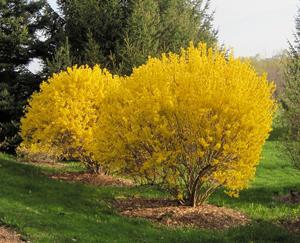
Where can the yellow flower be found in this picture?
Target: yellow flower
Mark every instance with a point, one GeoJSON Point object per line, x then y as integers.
{"type": "Point", "coordinates": [172, 117]}
{"type": "Point", "coordinates": [217, 146]}
{"type": "Point", "coordinates": [58, 119]}
{"type": "Point", "coordinates": [216, 103]}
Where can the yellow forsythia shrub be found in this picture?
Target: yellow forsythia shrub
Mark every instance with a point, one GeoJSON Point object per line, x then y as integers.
{"type": "Point", "coordinates": [59, 119]}
{"type": "Point", "coordinates": [191, 122]}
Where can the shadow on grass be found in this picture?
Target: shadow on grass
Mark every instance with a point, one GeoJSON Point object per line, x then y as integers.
{"type": "Point", "coordinates": [262, 196]}
{"type": "Point", "coordinates": [277, 133]}
{"type": "Point", "coordinates": [52, 211]}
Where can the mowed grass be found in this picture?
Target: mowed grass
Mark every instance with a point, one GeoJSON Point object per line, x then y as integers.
{"type": "Point", "coordinates": [45, 210]}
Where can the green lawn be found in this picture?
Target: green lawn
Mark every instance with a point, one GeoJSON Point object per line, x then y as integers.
{"type": "Point", "coordinates": [45, 210]}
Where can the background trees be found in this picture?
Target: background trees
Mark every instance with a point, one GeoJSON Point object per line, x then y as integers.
{"type": "Point", "coordinates": [291, 99]}
{"type": "Point", "coordinates": [127, 32]}
{"type": "Point", "coordinates": [21, 25]}
{"type": "Point", "coordinates": [275, 68]}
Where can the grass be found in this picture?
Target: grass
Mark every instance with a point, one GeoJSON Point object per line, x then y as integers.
{"type": "Point", "coordinates": [45, 210]}
{"type": "Point", "coordinates": [275, 176]}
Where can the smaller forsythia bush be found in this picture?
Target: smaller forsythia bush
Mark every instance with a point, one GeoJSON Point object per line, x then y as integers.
{"type": "Point", "coordinates": [191, 122]}
{"type": "Point", "coordinates": [58, 120]}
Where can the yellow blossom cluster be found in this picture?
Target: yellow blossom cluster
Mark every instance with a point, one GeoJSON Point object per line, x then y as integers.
{"type": "Point", "coordinates": [59, 118]}
{"type": "Point", "coordinates": [191, 122]}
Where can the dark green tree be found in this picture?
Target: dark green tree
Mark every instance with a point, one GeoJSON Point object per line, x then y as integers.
{"type": "Point", "coordinates": [184, 21]}
{"type": "Point", "coordinates": [141, 38]}
{"type": "Point", "coordinates": [128, 31]}
{"type": "Point", "coordinates": [155, 26]}
{"type": "Point", "coordinates": [25, 34]}
{"type": "Point", "coordinates": [92, 51]}
{"type": "Point", "coordinates": [104, 20]}
{"type": "Point", "coordinates": [61, 59]}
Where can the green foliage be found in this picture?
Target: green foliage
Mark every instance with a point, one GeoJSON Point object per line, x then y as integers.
{"type": "Point", "coordinates": [104, 19]}
{"type": "Point", "coordinates": [291, 99]}
{"type": "Point", "coordinates": [141, 37]}
{"type": "Point", "coordinates": [30, 203]}
{"type": "Point", "coordinates": [61, 59]}
{"type": "Point", "coordinates": [184, 21]}
{"type": "Point", "coordinates": [93, 54]}
{"type": "Point", "coordinates": [125, 33]}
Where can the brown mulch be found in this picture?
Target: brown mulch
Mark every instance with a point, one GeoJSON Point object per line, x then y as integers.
{"type": "Point", "coordinates": [292, 225]}
{"type": "Point", "coordinates": [9, 236]}
{"type": "Point", "coordinates": [292, 198]}
{"type": "Point", "coordinates": [93, 179]}
{"type": "Point", "coordinates": [170, 213]}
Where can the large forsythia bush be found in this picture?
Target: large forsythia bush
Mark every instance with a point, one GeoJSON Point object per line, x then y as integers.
{"type": "Point", "coordinates": [191, 122]}
{"type": "Point", "coordinates": [58, 120]}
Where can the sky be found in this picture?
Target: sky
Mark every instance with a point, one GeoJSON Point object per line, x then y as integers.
{"type": "Point", "coordinates": [253, 27]}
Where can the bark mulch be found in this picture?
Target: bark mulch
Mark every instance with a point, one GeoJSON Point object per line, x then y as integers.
{"type": "Point", "coordinates": [93, 179]}
{"type": "Point", "coordinates": [292, 226]}
{"type": "Point", "coordinates": [170, 213]}
{"type": "Point", "coordinates": [9, 236]}
{"type": "Point", "coordinates": [292, 198]}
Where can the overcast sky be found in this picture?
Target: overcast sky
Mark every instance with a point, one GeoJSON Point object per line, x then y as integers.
{"type": "Point", "coordinates": [253, 27]}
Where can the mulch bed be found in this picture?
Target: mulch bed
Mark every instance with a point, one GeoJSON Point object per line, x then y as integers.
{"type": "Point", "coordinates": [291, 225]}
{"type": "Point", "coordinates": [9, 236]}
{"type": "Point", "coordinates": [93, 179]}
{"type": "Point", "coordinates": [292, 198]}
{"type": "Point", "coordinates": [170, 213]}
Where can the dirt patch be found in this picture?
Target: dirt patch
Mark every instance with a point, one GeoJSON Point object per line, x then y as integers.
{"type": "Point", "coordinates": [292, 198]}
{"type": "Point", "coordinates": [9, 236]}
{"type": "Point", "coordinates": [292, 225]}
{"type": "Point", "coordinates": [170, 213]}
{"type": "Point", "coordinates": [93, 179]}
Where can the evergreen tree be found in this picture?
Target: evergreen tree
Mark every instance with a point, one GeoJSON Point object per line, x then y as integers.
{"type": "Point", "coordinates": [127, 31]}
{"type": "Point", "coordinates": [103, 19]}
{"type": "Point", "coordinates": [92, 51]}
{"type": "Point", "coordinates": [21, 24]}
{"type": "Point", "coordinates": [60, 61]}
{"type": "Point", "coordinates": [184, 21]}
{"type": "Point", "coordinates": [141, 37]}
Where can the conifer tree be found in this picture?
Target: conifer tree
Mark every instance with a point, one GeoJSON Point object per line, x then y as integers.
{"type": "Point", "coordinates": [128, 31]}
{"type": "Point", "coordinates": [21, 23]}
{"type": "Point", "coordinates": [92, 51]}
{"type": "Point", "coordinates": [141, 38]}
{"type": "Point", "coordinates": [61, 59]}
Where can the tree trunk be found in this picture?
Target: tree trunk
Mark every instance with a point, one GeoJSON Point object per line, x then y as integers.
{"type": "Point", "coordinates": [193, 197]}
